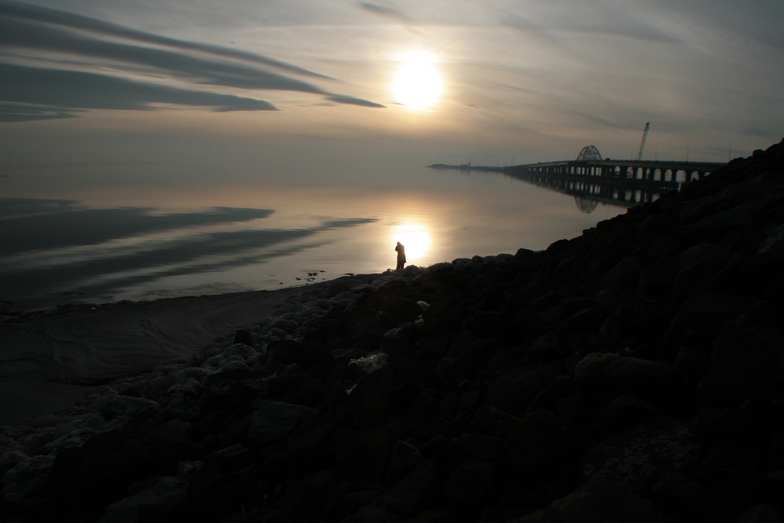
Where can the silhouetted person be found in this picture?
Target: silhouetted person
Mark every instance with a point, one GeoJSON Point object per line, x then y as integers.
{"type": "Point", "coordinates": [401, 256]}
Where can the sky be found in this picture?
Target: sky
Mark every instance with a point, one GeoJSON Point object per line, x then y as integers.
{"type": "Point", "coordinates": [308, 84]}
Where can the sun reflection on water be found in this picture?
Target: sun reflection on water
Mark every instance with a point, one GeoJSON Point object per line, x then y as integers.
{"type": "Point", "coordinates": [415, 237]}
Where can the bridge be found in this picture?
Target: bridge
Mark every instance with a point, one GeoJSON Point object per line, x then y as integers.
{"type": "Point", "coordinates": [590, 163]}
{"type": "Point", "coordinates": [592, 179]}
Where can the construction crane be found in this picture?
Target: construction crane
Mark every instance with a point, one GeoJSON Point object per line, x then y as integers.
{"type": "Point", "coordinates": [644, 136]}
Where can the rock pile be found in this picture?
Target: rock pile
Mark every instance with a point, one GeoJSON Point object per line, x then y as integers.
{"type": "Point", "coordinates": [635, 373]}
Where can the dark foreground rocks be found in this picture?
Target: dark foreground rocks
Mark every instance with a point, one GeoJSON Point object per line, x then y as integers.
{"type": "Point", "coordinates": [632, 374]}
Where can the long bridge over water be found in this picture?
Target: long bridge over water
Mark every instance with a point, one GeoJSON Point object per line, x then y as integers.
{"type": "Point", "coordinates": [592, 179]}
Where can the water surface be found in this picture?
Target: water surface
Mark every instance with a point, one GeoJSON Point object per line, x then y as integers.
{"type": "Point", "coordinates": [106, 233]}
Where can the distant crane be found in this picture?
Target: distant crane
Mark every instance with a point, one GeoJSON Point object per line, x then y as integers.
{"type": "Point", "coordinates": [644, 136]}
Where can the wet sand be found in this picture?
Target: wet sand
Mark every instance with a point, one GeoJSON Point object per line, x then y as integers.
{"type": "Point", "coordinates": [47, 358]}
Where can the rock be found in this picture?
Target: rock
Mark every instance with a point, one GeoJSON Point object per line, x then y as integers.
{"type": "Point", "coordinates": [760, 514]}
{"type": "Point", "coordinates": [473, 447]}
{"type": "Point", "coordinates": [735, 493]}
{"type": "Point", "coordinates": [627, 410]}
{"type": "Point", "coordinates": [513, 391]}
{"type": "Point", "coordinates": [275, 421]}
{"type": "Point", "coordinates": [486, 324]}
{"type": "Point", "coordinates": [700, 317]}
{"type": "Point", "coordinates": [472, 483]}
{"type": "Point", "coordinates": [150, 504]}
{"type": "Point", "coordinates": [597, 502]}
{"type": "Point", "coordinates": [624, 276]}
{"type": "Point", "coordinates": [637, 455]}
{"type": "Point", "coordinates": [396, 310]}
{"type": "Point", "coordinates": [311, 439]}
{"type": "Point", "coordinates": [362, 456]}
{"type": "Point", "coordinates": [707, 267]}
{"type": "Point", "coordinates": [712, 424]}
{"type": "Point", "coordinates": [542, 441]}
{"type": "Point", "coordinates": [369, 514]}
{"type": "Point", "coordinates": [27, 479]}
{"type": "Point", "coordinates": [411, 492]}
{"type": "Point", "coordinates": [111, 406]}
{"type": "Point", "coordinates": [600, 370]}
{"type": "Point", "coordinates": [233, 458]}
{"type": "Point", "coordinates": [405, 458]}
{"type": "Point", "coordinates": [493, 422]}
{"type": "Point", "coordinates": [88, 478]}
{"type": "Point", "coordinates": [756, 350]}
{"type": "Point", "coordinates": [675, 492]}
{"type": "Point", "coordinates": [244, 337]}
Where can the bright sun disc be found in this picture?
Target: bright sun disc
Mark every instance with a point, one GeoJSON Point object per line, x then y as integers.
{"type": "Point", "coordinates": [417, 83]}
{"type": "Point", "coordinates": [415, 238]}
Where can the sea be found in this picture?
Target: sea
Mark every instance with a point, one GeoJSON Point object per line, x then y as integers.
{"type": "Point", "coordinates": [108, 233]}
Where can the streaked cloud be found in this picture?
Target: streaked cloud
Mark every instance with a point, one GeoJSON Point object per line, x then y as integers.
{"type": "Point", "coordinates": [55, 89]}
{"type": "Point", "coordinates": [386, 12]}
{"type": "Point", "coordinates": [62, 63]}
{"type": "Point", "coordinates": [54, 17]}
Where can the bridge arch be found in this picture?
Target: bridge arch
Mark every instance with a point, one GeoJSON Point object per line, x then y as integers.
{"type": "Point", "coordinates": [589, 152]}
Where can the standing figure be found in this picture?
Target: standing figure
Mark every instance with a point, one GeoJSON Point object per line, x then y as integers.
{"type": "Point", "coordinates": [401, 256]}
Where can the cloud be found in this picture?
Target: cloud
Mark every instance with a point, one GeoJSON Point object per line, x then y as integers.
{"type": "Point", "coordinates": [386, 12]}
{"type": "Point", "coordinates": [73, 21]}
{"type": "Point", "coordinates": [34, 36]}
{"type": "Point", "coordinates": [50, 88]}
{"type": "Point", "coordinates": [353, 101]}
{"type": "Point", "coordinates": [59, 91]}
{"type": "Point", "coordinates": [10, 112]}
{"type": "Point", "coordinates": [754, 131]}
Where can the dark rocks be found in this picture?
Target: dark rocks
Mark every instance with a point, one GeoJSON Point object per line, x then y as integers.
{"type": "Point", "coordinates": [514, 391]}
{"type": "Point", "coordinates": [275, 421]}
{"type": "Point", "coordinates": [638, 455]}
{"type": "Point", "coordinates": [755, 349]}
{"type": "Point", "coordinates": [471, 484]}
{"type": "Point", "coordinates": [645, 377]}
{"type": "Point", "coordinates": [598, 502]}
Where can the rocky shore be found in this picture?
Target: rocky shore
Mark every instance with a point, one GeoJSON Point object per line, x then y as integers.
{"type": "Point", "coordinates": [634, 373]}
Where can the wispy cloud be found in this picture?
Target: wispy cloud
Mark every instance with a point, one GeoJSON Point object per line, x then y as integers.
{"type": "Point", "coordinates": [350, 100]}
{"type": "Point", "coordinates": [68, 83]}
{"type": "Point", "coordinates": [52, 89]}
{"type": "Point", "coordinates": [72, 21]}
{"type": "Point", "coordinates": [386, 12]}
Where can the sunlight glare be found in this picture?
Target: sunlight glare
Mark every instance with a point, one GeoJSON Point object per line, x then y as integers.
{"type": "Point", "coordinates": [417, 83]}
{"type": "Point", "coordinates": [415, 238]}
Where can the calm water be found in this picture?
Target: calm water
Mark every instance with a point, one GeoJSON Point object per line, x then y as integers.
{"type": "Point", "coordinates": [114, 232]}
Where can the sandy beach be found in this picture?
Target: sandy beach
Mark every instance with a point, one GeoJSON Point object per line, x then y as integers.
{"type": "Point", "coordinates": [50, 359]}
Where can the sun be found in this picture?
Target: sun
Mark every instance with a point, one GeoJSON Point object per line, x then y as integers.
{"type": "Point", "coordinates": [417, 83]}
{"type": "Point", "coordinates": [414, 237]}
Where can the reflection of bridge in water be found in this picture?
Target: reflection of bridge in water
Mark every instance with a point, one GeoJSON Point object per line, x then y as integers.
{"type": "Point", "coordinates": [593, 180]}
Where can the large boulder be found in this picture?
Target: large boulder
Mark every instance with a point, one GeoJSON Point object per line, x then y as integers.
{"type": "Point", "coordinates": [597, 502]}
{"type": "Point", "coordinates": [647, 378]}
{"type": "Point", "coordinates": [275, 421]}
